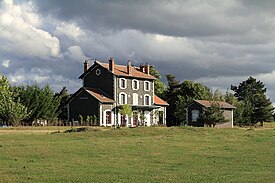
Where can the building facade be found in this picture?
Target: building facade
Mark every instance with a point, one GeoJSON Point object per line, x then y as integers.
{"type": "Point", "coordinates": [106, 87]}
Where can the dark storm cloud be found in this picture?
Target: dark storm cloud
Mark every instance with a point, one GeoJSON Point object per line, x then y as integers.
{"type": "Point", "coordinates": [175, 18]}
{"type": "Point", "coordinates": [215, 42]}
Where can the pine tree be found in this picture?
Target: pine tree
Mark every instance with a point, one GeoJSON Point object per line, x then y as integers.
{"type": "Point", "coordinates": [212, 115]}
{"type": "Point", "coordinates": [256, 106]}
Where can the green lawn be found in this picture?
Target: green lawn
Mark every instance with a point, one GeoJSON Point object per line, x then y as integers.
{"type": "Point", "coordinates": [153, 154]}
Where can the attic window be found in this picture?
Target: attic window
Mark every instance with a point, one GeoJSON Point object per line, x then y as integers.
{"type": "Point", "coordinates": [98, 72]}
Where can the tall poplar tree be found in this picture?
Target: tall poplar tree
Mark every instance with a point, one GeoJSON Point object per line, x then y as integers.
{"type": "Point", "coordinates": [172, 96]}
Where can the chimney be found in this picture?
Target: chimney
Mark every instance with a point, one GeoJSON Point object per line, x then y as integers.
{"type": "Point", "coordinates": [86, 65]}
{"type": "Point", "coordinates": [112, 64]}
{"type": "Point", "coordinates": [129, 68]}
{"type": "Point", "coordinates": [142, 68]}
{"type": "Point", "coordinates": [147, 69]}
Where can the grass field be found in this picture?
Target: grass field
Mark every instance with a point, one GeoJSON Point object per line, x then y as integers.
{"type": "Point", "coordinates": [153, 154]}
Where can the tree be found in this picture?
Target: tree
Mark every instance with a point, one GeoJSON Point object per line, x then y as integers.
{"type": "Point", "coordinates": [171, 97]}
{"type": "Point", "coordinates": [62, 109]}
{"type": "Point", "coordinates": [80, 117]}
{"type": "Point", "coordinates": [88, 121]}
{"type": "Point", "coordinates": [126, 110]}
{"type": "Point", "coordinates": [238, 118]}
{"type": "Point", "coordinates": [230, 98]}
{"type": "Point", "coordinates": [212, 115]}
{"type": "Point", "coordinates": [41, 103]}
{"type": "Point", "coordinates": [262, 109]}
{"type": "Point", "coordinates": [218, 96]}
{"type": "Point", "coordinates": [11, 109]}
{"type": "Point", "coordinates": [256, 106]}
{"type": "Point", "coordinates": [159, 86]}
{"type": "Point", "coordinates": [189, 91]}
{"type": "Point", "coordinates": [94, 119]}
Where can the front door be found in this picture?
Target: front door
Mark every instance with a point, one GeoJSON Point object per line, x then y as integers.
{"type": "Point", "coordinates": [135, 118]}
{"type": "Point", "coordinates": [123, 120]}
{"type": "Point", "coordinates": [108, 118]}
{"type": "Point", "coordinates": [160, 117]}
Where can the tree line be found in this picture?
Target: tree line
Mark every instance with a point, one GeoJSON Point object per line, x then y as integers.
{"type": "Point", "coordinates": [25, 105]}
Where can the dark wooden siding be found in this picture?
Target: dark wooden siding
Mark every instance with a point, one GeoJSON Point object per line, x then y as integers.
{"type": "Point", "coordinates": [104, 81]}
{"type": "Point", "coordinates": [83, 104]}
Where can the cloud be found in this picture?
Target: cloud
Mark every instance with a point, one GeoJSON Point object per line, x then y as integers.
{"type": "Point", "coordinates": [174, 18]}
{"type": "Point", "coordinates": [216, 42]}
{"type": "Point", "coordinates": [71, 30]}
{"type": "Point", "coordinates": [75, 53]}
{"type": "Point", "coordinates": [20, 31]}
{"type": "Point", "coordinates": [42, 77]}
{"type": "Point", "coordinates": [224, 82]}
{"type": "Point", "coordinates": [6, 63]}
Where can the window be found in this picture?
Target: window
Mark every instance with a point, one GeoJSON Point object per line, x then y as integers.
{"type": "Point", "coordinates": [98, 72]}
{"type": "Point", "coordinates": [135, 84]}
{"type": "Point", "coordinates": [122, 83]}
{"type": "Point", "coordinates": [122, 98]}
{"type": "Point", "coordinates": [147, 100]}
{"type": "Point", "coordinates": [195, 115]}
{"type": "Point", "coordinates": [135, 99]}
{"type": "Point", "coordinates": [146, 85]}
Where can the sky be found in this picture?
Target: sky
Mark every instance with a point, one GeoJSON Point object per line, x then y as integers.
{"type": "Point", "coordinates": [217, 43]}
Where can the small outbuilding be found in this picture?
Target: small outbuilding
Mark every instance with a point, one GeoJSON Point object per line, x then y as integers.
{"type": "Point", "coordinates": [195, 108]}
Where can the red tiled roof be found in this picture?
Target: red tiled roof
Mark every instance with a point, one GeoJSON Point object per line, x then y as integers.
{"type": "Point", "coordinates": [99, 95]}
{"type": "Point", "coordinates": [121, 70]}
{"type": "Point", "coordinates": [207, 103]}
{"type": "Point", "coordinates": [159, 101]}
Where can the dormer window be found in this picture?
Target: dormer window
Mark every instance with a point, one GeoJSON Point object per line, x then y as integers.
{"type": "Point", "coordinates": [135, 84]}
{"type": "Point", "coordinates": [147, 100]}
{"type": "Point", "coordinates": [122, 83]}
{"type": "Point", "coordinates": [146, 85]}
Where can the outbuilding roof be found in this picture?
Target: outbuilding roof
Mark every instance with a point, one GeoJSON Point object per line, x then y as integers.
{"type": "Point", "coordinates": [222, 104]}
